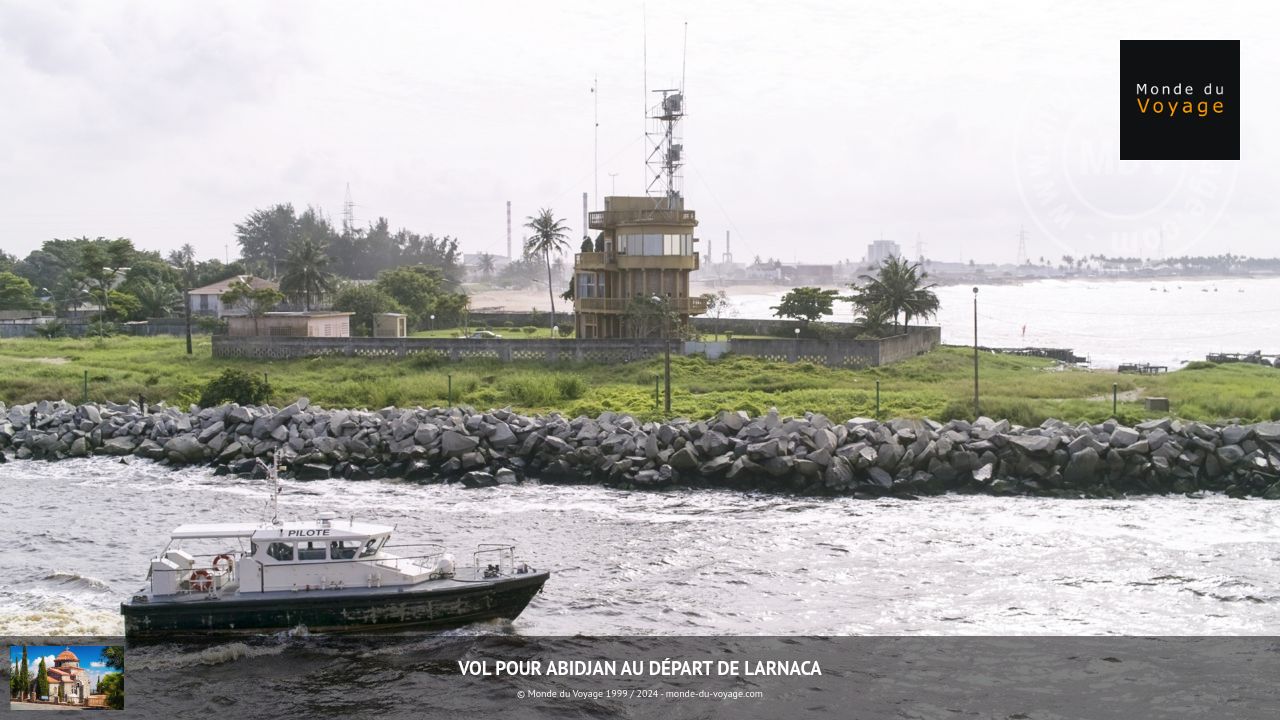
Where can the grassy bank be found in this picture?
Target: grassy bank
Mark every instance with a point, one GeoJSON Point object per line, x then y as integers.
{"type": "Point", "coordinates": [937, 385]}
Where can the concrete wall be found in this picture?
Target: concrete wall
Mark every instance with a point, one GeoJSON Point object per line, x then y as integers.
{"type": "Point", "coordinates": [836, 353]}
{"type": "Point", "coordinates": [280, 348]}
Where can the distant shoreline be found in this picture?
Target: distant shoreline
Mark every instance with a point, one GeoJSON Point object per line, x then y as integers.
{"type": "Point", "coordinates": [498, 300]}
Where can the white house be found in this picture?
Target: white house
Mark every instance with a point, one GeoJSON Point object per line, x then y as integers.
{"type": "Point", "coordinates": [207, 300]}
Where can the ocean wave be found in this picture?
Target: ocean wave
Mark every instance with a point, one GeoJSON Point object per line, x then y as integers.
{"type": "Point", "coordinates": [76, 580]}
{"type": "Point", "coordinates": [169, 657]}
{"type": "Point", "coordinates": [64, 620]}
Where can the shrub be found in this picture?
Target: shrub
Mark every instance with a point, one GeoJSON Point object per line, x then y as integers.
{"type": "Point", "coordinates": [1200, 365]}
{"type": "Point", "coordinates": [101, 328]}
{"type": "Point", "coordinates": [570, 387]}
{"type": "Point", "coordinates": [528, 330]}
{"type": "Point", "coordinates": [50, 330]}
{"type": "Point", "coordinates": [236, 386]}
{"type": "Point", "coordinates": [211, 325]}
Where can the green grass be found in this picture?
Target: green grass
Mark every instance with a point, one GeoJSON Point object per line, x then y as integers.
{"type": "Point", "coordinates": [937, 385]}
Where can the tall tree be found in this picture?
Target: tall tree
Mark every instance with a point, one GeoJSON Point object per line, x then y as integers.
{"type": "Point", "coordinates": [156, 300]}
{"type": "Point", "coordinates": [718, 306]}
{"type": "Point", "coordinates": [7, 261]}
{"type": "Point", "coordinates": [183, 256]}
{"type": "Point", "coordinates": [255, 302]}
{"type": "Point", "coordinates": [806, 304]}
{"type": "Point", "coordinates": [25, 673]}
{"type": "Point", "coordinates": [420, 291]}
{"type": "Point", "coordinates": [486, 264]}
{"type": "Point", "coordinates": [264, 236]}
{"type": "Point", "coordinates": [100, 269]}
{"type": "Point", "coordinates": [16, 293]}
{"type": "Point", "coordinates": [898, 288]}
{"type": "Point", "coordinates": [42, 680]}
{"type": "Point", "coordinates": [306, 271]}
{"type": "Point", "coordinates": [549, 236]}
{"type": "Point", "coordinates": [366, 301]}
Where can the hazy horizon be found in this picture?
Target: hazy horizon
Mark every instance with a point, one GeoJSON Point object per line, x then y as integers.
{"type": "Point", "coordinates": [813, 128]}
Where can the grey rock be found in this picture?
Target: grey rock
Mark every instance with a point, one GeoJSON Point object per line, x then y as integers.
{"type": "Point", "coordinates": [454, 443]}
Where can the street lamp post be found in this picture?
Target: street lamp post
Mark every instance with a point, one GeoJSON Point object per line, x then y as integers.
{"type": "Point", "coordinates": [433, 323]}
{"type": "Point", "coordinates": [666, 354]}
{"type": "Point", "coordinates": [796, 346]}
{"type": "Point", "coordinates": [976, 412]}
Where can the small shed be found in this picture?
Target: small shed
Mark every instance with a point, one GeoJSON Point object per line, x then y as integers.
{"type": "Point", "coordinates": [393, 325]}
{"type": "Point", "coordinates": [292, 324]}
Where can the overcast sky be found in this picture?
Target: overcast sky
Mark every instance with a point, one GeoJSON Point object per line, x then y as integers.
{"type": "Point", "coordinates": [813, 127]}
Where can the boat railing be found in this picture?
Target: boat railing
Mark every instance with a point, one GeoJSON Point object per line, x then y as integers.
{"type": "Point", "coordinates": [414, 564]}
{"type": "Point", "coordinates": [494, 556]}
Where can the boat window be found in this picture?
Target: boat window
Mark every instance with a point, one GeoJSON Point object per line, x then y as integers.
{"type": "Point", "coordinates": [371, 547]}
{"type": "Point", "coordinates": [280, 551]}
{"type": "Point", "coordinates": [343, 549]}
{"type": "Point", "coordinates": [310, 552]}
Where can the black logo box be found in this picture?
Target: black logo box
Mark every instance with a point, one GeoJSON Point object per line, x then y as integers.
{"type": "Point", "coordinates": [1191, 65]}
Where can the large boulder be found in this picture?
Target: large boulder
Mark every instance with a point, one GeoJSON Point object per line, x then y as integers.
{"type": "Point", "coordinates": [1082, 467]}
{"type": "Point", "coordinates": [455, 444]}
{"type": "Point", "coordinates": [184, 449]}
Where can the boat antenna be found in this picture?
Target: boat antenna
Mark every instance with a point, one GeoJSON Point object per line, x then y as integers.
{"type": "Point", "coordinates": [274, 474]}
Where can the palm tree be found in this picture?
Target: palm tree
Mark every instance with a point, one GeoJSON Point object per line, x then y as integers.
{"type": "Point", "coordinates": [182, 257]}
{"type": "Point", "coordinates": [158, 300]}
{"type": "Point", "coordinates": [549, 235]}
{"type": "Point", "coordinates": [306, 273]}
{"type": "Point", "coordinates": [896, 290]}
{"type": "Point", "coordinates": [486, 264]}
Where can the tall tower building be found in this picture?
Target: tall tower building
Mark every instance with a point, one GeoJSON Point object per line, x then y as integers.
{"type": "Point", "coordinates": [646, 253]}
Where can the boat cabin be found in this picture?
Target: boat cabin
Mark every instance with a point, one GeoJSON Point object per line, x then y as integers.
{"type": "Point", "coordinates": [320, 554]}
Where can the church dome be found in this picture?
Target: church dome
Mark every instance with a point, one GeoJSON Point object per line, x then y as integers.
{"type": "Point", "coordinates": [66, 656]}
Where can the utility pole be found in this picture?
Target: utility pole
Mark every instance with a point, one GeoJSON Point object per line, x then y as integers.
{"type": "Point", "coordinates": [187, 308]}
{"type": "Point", "coordinates": [509, 257]}
{"type": "Point", "coordinates": [976, 412]}
{"type": "Point", "coordinates": [664, 304]}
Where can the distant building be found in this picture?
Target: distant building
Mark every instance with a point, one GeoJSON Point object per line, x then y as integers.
{"type": "Point", "coordinates": [880, 250]}
{"type": "Point", "coordinates": [647, 251]}
{"type": "Point", "coordinates": [207, 300]}
{"type": "Point", "coordinates": [472, 262]}
{"type": "Point", "coordinates": [769, 270]}
{"type": "Point", "coordinates": [809, 274]}
{"type": "Point", "coordinates": [67, 679]}
{"type": "Point", "coordinates": [292, 324]}
{"type": "Point", "coordinates": [390, 325]}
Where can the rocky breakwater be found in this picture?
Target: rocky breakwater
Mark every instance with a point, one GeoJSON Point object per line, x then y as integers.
{"type": "Point", "coordinates": [809, 454]}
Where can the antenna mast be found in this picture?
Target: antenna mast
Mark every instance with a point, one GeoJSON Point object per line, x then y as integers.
{"type": "Point", "coordinates": [1022, 246]}
{"type": "Point", "coordinates": [595, 96]}
{"type": "Point", "coordinates": [348, 213]}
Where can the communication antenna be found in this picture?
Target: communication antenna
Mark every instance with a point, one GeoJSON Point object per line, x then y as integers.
{"type": "Point", "coordinates": [1022, 245]}
{"type": "Point", "coordinates": [273, 474]}
{"type": "Point", "coordinates": [595, 96]}
{"type": "Point", "coordinates": [348, 213]}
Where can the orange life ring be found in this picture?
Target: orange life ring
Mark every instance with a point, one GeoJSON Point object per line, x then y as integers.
{"type": "Point", "coordinates": [220, 558]}
{"type": "Point", "coordinates": [201, 581]}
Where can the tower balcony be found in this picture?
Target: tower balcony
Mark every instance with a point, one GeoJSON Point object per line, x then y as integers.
{"type": "Point", "coordinates": [680, 305]}
{"type": "Point", "coordinates": [615, 261]}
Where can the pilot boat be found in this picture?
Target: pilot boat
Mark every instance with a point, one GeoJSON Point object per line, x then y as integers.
{"type": "Point", "coordinates": [327, 574]}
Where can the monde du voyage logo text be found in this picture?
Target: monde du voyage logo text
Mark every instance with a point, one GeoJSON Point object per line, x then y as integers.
{"type": "Point", "coordinates": [1179, 99]}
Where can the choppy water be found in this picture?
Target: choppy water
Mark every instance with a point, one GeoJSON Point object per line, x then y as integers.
{"type": "Point", "coordinates": [78, 534]}
{"type": "Point", "coordinates": [1163, 322]}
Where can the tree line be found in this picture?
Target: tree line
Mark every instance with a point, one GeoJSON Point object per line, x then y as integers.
{"type": "Point", "coordinates": [365, 270]}
{"type": "Point", "coordinates": [898, 290]}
